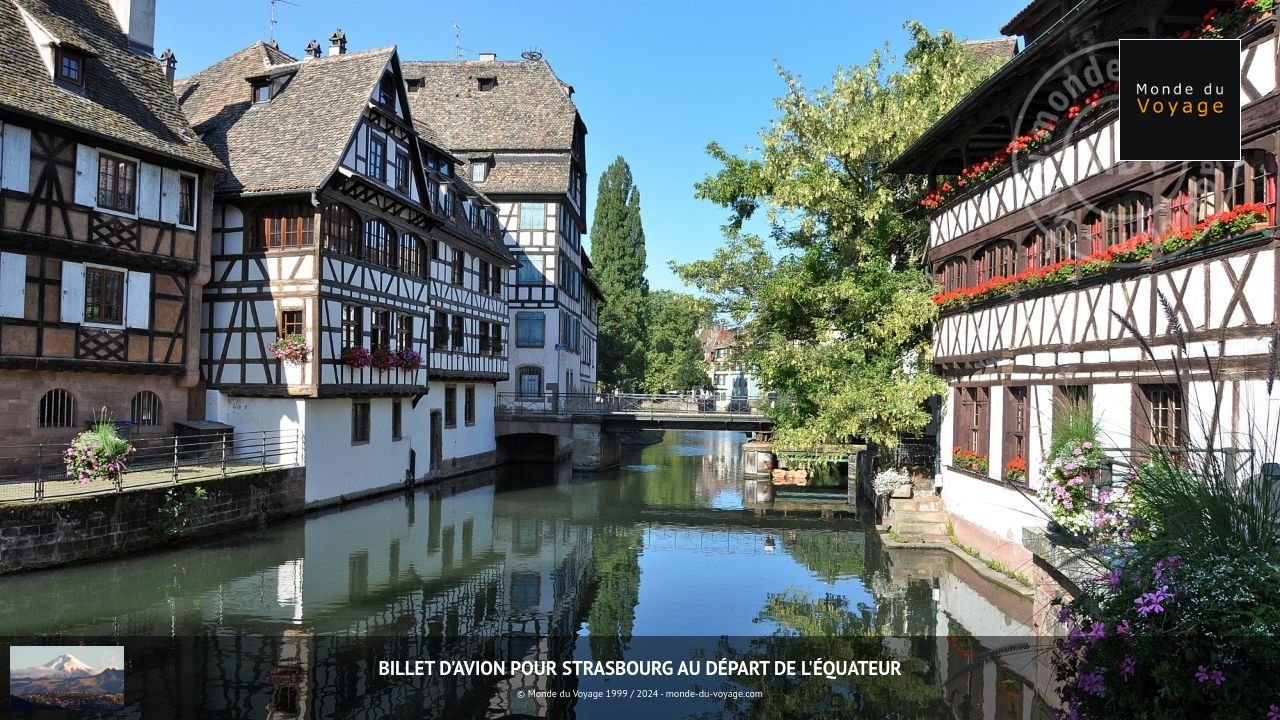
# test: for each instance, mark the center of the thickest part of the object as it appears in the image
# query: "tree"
(673, 358)
(835, 319)
(618, 256)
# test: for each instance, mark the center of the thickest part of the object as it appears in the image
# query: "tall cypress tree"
(618, 256)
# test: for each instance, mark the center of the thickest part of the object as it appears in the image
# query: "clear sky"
(95, 656)
(654, 81)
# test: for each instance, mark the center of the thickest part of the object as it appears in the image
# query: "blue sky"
(654, 81)
(95, 656)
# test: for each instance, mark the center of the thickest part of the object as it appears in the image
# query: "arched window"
(340, 229)
(413, 255)
(529, 381)
(1194, 198)
(285, 225)
(57, 409)
(1118, 220)
(377, 243)
(996, 260)
(144, 409)
(1253, 180)
(953, 275)
(1046, 247)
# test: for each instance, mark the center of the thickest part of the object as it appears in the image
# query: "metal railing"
(38, 472)
(510, 404)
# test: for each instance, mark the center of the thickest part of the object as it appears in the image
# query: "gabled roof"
(126, 97)
(295, 141)
(529, 109)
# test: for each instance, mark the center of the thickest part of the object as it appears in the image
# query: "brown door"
(437, 439)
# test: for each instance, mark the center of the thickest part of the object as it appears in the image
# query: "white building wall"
(336, 467)
(462, 441)
(996, 508)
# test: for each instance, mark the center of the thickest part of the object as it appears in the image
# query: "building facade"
(104, 228)
(524, 146)
(1066, 272)
(733, 384)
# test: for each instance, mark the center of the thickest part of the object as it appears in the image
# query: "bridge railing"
(512, 404)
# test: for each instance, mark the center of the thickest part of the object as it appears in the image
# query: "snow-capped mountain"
(63, 666)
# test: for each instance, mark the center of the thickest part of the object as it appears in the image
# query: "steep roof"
(528, 173)
(294, 141)
(985, 50)
(529, 109)
(126, 95)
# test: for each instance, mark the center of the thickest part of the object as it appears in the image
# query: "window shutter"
(1097, 234)
(72, 310)
(169, 197)
(13, 285)
(137, 302)
(15, 163)
(1179, 211)
(148, 191)
(86, 175)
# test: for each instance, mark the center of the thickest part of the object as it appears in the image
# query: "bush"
(99, 453)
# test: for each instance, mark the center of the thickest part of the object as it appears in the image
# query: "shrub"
(99, 453)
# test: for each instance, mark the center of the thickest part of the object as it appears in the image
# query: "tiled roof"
(126, 95)
(294, 141)
(527, 173)
(529, 109)
(985, 50)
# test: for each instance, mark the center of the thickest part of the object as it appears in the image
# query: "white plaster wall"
(336, 467)
(461, 441)
(1001, 510)
(279, 417)
(1113, 411)
(995, 431)
(947, 427)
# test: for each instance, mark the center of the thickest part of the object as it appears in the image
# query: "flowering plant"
(291, 349)
(1067, 485)
(1221, 24)
(408, 358)
(1048, 274)
(971, 459)
(357, 357)
(1015, 469)
(99, 453)
(382, 359)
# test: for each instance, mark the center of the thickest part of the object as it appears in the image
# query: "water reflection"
(536, 563)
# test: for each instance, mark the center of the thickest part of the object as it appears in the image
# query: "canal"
(674, 555)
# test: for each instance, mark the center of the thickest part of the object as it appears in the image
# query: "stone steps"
(921, 517)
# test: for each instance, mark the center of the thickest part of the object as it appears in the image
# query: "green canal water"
(675, 555)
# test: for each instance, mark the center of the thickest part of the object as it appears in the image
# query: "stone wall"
(40, 535)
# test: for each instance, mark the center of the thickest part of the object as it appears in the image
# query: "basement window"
(486, 84)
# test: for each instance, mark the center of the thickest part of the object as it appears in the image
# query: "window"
(1016, 423)
(529, 382)
(117, 183)
(722, 380)
(486, 84)
(187, 202)
(377, 243)
(485, 277)
(469, 405)
(144, 409)
(57, 409)
(340, 229)
(996, 260)
(440, 331)
(377, 158)
(479, 170)
(1253, 180)
(971, 418)
(359, 422)
(70, 66)
(1194, 199)
(437, 250)
(290, 322)
(387, 91)
(262, 91)
(456, 335)
(531, 270)
(404, 331)
(380, 330)
(495, 284)
(285, 225)
(459, 266)
(530, 329)
(1118, 221)
(1047, 247)
(533, 216)
(1165, 416)
(352, 326)
(397, 420)
(413, 256)
(103, 296)
(402, 172)
(570, 280)
(570, 328)
(450, 406)
(954, 275)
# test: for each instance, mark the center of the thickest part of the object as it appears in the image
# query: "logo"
(1180, 100)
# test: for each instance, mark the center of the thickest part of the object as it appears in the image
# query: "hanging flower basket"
(99, 453)
(357, 357)
(408, 359)
(383, 359)
(291, 349)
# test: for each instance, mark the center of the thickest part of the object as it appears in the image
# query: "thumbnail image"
(60, 677)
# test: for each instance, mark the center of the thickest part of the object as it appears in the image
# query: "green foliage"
(616, 551)
(831, 555)
(836, 320)
(673, 358)
(1073, 424)
(179, 510)
(618, 257)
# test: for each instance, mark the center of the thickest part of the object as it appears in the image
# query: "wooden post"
(264, 449)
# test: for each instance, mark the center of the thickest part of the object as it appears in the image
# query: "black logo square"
(1180, 100)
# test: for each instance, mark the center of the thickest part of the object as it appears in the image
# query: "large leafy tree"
(674, 360)
(618, 256)
(833, 307)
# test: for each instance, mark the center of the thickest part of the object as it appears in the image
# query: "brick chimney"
(312, 51)
(137, 19)
(338, 43)
(170, 65)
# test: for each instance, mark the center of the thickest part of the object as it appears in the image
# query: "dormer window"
(479, 170)
(486, 84)
(69, 66)
(262, 91)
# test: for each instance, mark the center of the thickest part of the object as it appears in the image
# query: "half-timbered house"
(321, 248)
(104, 223)
(515, 125)
(1052, 266)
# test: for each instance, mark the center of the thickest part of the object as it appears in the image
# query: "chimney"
(312, 51)
(170, 64)
(338, 43)
(137, 19)
(488, 57)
